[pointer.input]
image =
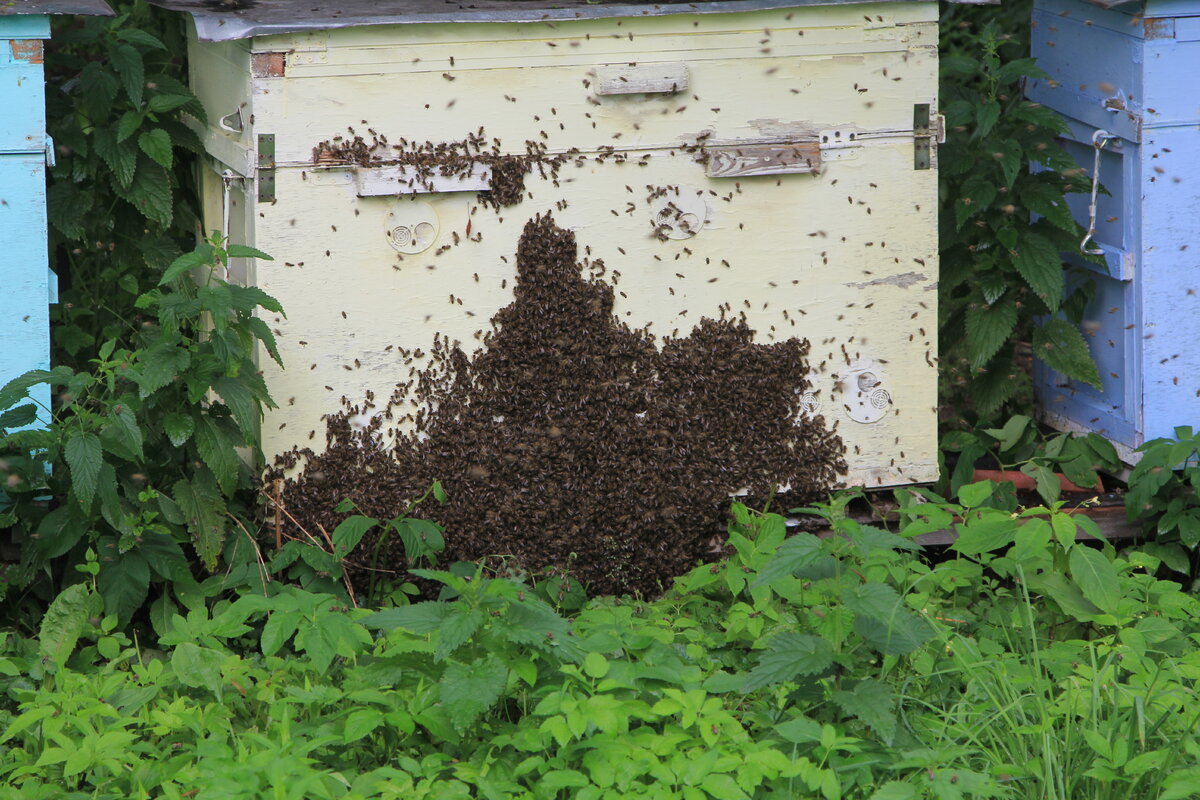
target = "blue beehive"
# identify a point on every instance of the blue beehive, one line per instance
(1124, 75)
(28, 284)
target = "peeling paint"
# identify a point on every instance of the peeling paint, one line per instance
(27, 50)
(903, 280)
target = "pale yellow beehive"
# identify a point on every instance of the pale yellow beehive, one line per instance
(797, 143)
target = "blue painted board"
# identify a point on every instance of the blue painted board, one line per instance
(22, 92)
(1131, 71)
(24, 312)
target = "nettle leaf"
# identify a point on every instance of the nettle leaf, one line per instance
(156, 143)
(204, 511)
(124, 583)
(1063, 348)
(787, 656)
(67, 207)
(423, 617)
(128, 63)
(123, 431)
(168, 102)
(1038, 261)
(243, 251)
(881, 618)
(797, 552)
(187, 262)
(159, 365)
(121, 157)
(988, 328)
(151, 192)
(977, 195)
(179, 427)
(140, 38)
(1044, 198)
(1011, 160)
(468, 690)
(84, 457)
(986, 116)
(18, 417)
(991, 389)
(198, 667)
(1096, 577)
(240, 400)
(262, 331)
(217, 446)
(128, 124)
(873, 703)
(64, 622)
(457, 627)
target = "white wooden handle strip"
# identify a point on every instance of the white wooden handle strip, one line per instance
(732, 160)
(666, 78)
(403, 179)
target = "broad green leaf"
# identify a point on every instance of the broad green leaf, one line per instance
(973, 494)
(128, 63)
(168, 102)
(788, 655)
(64, 622)
(423, 617)
(179, 427)
(120, 157)
(1096, 578)
(122, 427)
(882, 620)
(722, 787)
(361, 723)
(350, 532)
(799, 551)
(1063, 347)
(84, 457)
(278, 629)
(218, 449)
(989, 327)
(124, 583)
(139, 37)
(198, 667)
(151, 192)
(800, 730)
(18, 388)
(18, 417)
(242, 251)
(986, 116)
(468, 690)
(1011, 158)
(187, 262)
(895, 790)
(1068, 596)
(248, 298)
(595, 665)
(159, 365)
(457, 627)
(236, 395)
(872, 702)
(156, 143)
(1039, 263)
(204, 510)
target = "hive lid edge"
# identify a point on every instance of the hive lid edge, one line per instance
(18, 8)
(267, 17)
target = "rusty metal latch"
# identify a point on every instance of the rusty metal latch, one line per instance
(266, 167)
(923, 134)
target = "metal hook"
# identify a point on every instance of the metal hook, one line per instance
(1098, 139)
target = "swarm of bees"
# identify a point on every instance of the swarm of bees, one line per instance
(571, 440)
(447, 159)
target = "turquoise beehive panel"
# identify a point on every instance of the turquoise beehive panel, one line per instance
(1128, 71)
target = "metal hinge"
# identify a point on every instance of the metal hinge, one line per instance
(922, 134)
(266, 167)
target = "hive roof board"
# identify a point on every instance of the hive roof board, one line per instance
(95, 8)
(245, 18)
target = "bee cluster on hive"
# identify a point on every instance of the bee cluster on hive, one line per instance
(571, 439)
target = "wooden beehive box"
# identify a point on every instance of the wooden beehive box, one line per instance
(1127, 70)
(29, 286)
(771, 161)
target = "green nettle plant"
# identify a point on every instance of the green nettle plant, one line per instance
(146, 447)
(1020, 446)
(1163, 486)
(121, 200)
(1002, 278)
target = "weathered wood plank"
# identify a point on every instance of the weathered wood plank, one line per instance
(744, 160)
(667, 78)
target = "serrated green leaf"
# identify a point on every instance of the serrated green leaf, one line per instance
(187, 262)
(151, 192)
(988, 328)
(468, 690)
(1064, 349)
(64, 622)
(127, 61)
(218, 450)
(262, 331)
(1046, 199)
(986, 116)
(423, 617)
(788, 655)
(67, 207)
(124, 583)
(18, 417)
(84, 457)
(242, 251)
(872, 702)
(198, 667)
(247, 298)
(1068, 596)
(236, 395)
(156, 143)
(1096, 577)
(895, 790)
(350, 532)
(361, 723)
(141, 38)
(123, 428)
(179, 427)
(457, 627)
(1011, 160)
(1037, 260)
(168, 102)
(795, 553)
(121, 157)
(159, 365)
(129, 123)
(278, 629)
(204, 512)
(882, 620)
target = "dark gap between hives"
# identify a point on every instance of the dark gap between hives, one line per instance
(571, 440)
